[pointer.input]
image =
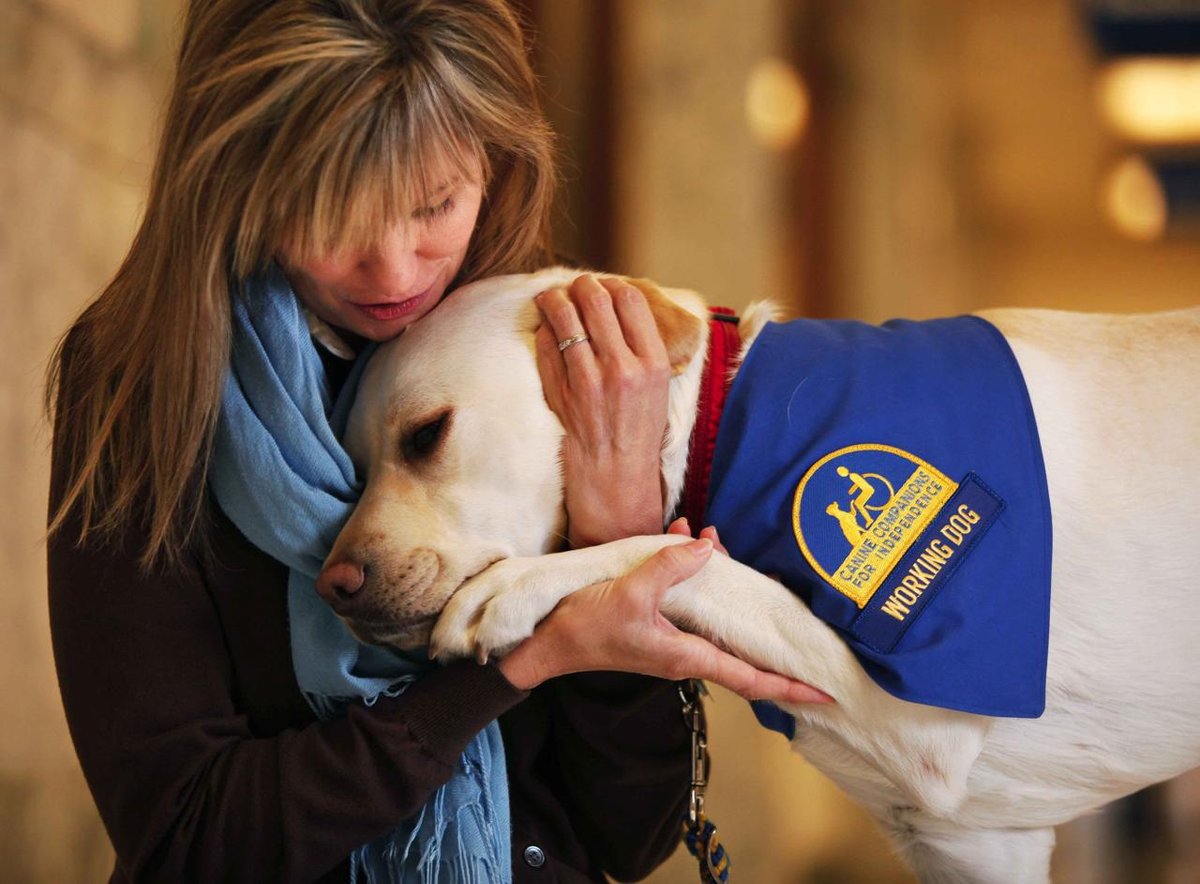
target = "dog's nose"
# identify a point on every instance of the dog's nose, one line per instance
(339, 581)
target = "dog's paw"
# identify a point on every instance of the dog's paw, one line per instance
(492, 612)
(453, 635)
(509, 618)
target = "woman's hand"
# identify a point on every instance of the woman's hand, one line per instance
(610, 392)
(617, 625)
(681, 527)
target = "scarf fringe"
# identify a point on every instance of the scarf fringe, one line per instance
(282, 476)
(421, 859)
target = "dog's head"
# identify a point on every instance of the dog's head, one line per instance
(461, 456)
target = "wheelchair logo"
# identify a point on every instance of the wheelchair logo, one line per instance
(877, 500)
(861, 515)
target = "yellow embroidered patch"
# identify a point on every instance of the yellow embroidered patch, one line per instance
(857, 511)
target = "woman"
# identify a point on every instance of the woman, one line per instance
(370, 154)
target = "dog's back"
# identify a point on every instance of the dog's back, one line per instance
(1117, 402)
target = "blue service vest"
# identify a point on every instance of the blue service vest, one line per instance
(893, 478)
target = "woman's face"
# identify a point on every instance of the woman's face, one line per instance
(376, 292)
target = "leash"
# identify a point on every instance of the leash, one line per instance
(699, 833)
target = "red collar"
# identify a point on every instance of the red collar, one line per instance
(723, 346)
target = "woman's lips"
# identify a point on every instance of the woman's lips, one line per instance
(393, 310)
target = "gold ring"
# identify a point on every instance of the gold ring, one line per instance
(574, 339)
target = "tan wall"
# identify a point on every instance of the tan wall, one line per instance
(699, 200)
(969, 162)
(80, 83)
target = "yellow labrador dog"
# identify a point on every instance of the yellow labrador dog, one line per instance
(463, 518)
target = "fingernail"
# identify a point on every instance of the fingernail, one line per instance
(686, 524)
(816, 695)
(700, 547)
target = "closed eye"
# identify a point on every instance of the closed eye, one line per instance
(422, 441)
(429, 213)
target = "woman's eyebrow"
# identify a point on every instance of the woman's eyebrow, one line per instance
(446, 185)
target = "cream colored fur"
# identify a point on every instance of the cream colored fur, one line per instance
(967, 798)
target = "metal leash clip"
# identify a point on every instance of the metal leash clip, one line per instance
(699, 834)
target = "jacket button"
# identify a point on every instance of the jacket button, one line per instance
(534, 857)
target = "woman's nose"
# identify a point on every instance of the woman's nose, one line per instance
(392, 269)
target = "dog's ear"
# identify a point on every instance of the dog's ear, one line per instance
(682, 332)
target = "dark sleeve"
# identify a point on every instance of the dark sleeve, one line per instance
(625, 753)
(185, 790)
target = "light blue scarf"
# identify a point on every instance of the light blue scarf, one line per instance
(281, 475)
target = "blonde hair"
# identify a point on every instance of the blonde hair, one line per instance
(305, 124)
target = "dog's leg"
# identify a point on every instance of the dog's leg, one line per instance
(499, 608)
(925, 752)
(943, 853)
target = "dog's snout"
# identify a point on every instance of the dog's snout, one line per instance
(339, 581)
(383, 600)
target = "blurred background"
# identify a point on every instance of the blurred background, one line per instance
(858, 158)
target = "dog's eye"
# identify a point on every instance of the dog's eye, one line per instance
(425, 437)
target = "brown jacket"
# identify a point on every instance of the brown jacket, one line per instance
(207, 765)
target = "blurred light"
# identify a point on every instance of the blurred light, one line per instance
(777, 104)
(1153, 99)
(1134, 200)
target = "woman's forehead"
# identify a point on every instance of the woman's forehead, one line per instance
(438, 166)
(351, 216)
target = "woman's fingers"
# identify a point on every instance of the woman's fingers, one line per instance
(710, 533)
(693, 656)
(550, 367)
(594, 300)
(564, 321)
(617, 625)
(705, 660)
(681, 527)
(652, 578)
(613, 314)
(613, 408)
(637, 324)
